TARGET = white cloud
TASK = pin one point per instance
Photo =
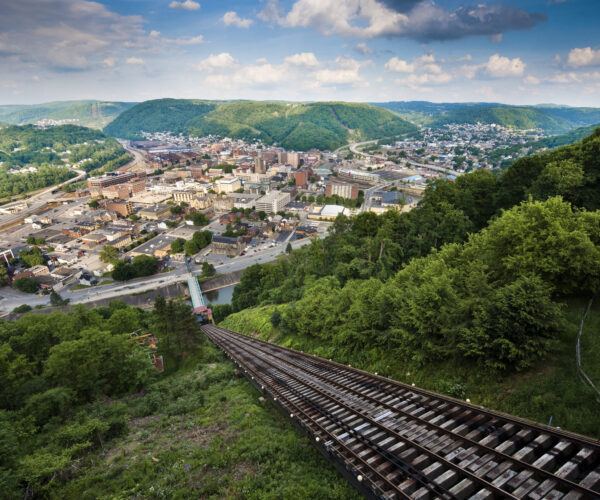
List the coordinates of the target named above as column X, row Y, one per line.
column 136, row 61
column 109, row 62
column 499, row 66
column 224, row 60
column 531, row 80
column 155, row 34
column 186, row 5
column 65, row 35
column 262, row 60
column 306, row 59
column 396, row 65
column 344, row 71
column 583, row 57
column 232, row 19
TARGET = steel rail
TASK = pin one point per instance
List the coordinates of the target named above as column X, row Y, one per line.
column 484, row 449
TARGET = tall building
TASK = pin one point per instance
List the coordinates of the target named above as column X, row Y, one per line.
column 287, row 158
column 260, row 167
column 301, row 178
column 343, row 190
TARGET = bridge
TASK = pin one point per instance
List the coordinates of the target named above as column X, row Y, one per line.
column 394, row 440
column 196, row 296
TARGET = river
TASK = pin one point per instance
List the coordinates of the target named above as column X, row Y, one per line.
column 221, row 296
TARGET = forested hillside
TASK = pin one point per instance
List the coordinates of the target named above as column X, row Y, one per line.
column 475, row 278
column 94, row 114
column 552, row 119
column 291, row 125
column 48, row 150
column 84, row 414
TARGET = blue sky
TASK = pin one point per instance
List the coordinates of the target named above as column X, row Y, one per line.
column 520, row 52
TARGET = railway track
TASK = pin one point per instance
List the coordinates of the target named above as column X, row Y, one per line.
column 396, row 441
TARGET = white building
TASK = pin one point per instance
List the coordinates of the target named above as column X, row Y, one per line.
column 227, row 184
column 273, row 202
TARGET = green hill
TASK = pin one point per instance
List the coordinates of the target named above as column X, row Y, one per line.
column 552, row 119
column 324, row 125
column 94, row 114
column 48, row 150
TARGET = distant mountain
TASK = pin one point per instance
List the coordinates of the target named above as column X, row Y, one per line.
column 93, row 114
column 321, row 125
column 551, row 118
column 565, row 139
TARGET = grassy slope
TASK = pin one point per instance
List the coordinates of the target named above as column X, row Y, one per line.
column 202, row 433
column 292, row 125
column 83, row 111
column 550, row 388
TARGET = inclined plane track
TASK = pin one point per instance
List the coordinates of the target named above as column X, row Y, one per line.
column 397, row 441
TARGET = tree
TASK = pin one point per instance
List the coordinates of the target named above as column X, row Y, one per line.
column 32, row 240
column 97, row 362
column 208, row 269
column 288, row 248
column 202, row 239
column 177, row 245
column 3, row 275
column 31, row 258
column 144, row 265
column 94, row 203
column 191, row 248
column 109, row 254
column 27, row 285
column 123, row 271
column 176, row 209
column 56, row 300
column 176, row 326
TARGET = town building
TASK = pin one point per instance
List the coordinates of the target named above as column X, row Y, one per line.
column 97, row 184
column 122, row 208
column 301, row 178
column 155, row 212
column 224, row 245
column 227, row 184
column 272, row 202
column 341, row 189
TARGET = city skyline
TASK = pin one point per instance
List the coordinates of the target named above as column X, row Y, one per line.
column 539, row 51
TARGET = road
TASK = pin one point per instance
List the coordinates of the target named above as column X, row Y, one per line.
column 36, row 202
column 138, row 160
column 11, row 298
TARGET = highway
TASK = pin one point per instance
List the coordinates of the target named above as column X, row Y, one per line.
column 11, row 298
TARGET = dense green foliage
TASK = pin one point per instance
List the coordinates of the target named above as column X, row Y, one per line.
column 59, row 371
column 45, row 149
column 141, row 265
column 455, row 278
column 553, row 119
column 26, row 285
column 94, row 114
column 291, row 125
column 32, row 257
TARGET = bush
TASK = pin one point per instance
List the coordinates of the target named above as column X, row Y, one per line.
column 27, row 285
column 23, row 308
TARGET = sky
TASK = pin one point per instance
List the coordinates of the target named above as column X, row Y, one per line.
column 516, row 52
